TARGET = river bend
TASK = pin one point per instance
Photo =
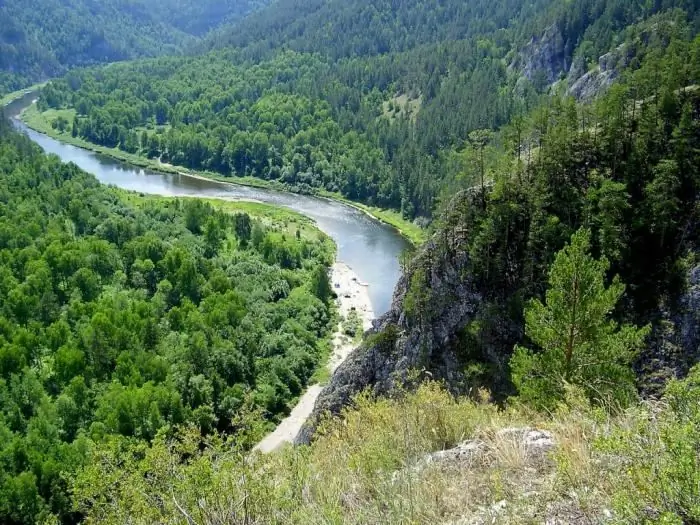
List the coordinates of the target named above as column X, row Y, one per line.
column 369, row 247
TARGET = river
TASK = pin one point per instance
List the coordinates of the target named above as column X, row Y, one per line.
column 369, row 247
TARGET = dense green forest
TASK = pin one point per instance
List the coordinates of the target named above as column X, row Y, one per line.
column 625, row 167
column 42, row 38
column 384, row 27
column 389, row 125
column 123, row 315
column 146, row 344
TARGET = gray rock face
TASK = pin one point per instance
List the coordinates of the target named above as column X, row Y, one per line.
column 533, row 444
column 465, row 452
column 586, row 85
column 544, row 59
column 543, row 56
column 399, row 343
column 529, row 438
column 409, row 338
column 675, row 340
column 689, row 316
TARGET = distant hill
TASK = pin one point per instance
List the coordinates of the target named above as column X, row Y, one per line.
column 41, row 38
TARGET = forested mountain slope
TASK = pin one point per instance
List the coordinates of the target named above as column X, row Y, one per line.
column 487, row 117
column 127, row 316
column 382, row 27
column 42, row 38
column 387, row 125
column 372, row 28
column 625, row 169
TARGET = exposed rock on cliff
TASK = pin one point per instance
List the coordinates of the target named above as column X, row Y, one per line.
column 586, row 85
column 433, row 302
column 543, row 57
column 449, row 325
column 675, row 343
column 546, row 59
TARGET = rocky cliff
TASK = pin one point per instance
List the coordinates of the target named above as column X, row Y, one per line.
column 548, row 62
column 424, row 331
column 674, row 346
column 584, row 84
column 438, row 305
column 544, row 58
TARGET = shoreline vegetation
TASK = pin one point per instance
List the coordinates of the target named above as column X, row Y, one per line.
column 165, row 311
column 352, row 294
column 11, row 97
column 39, row 122
column 290, row 221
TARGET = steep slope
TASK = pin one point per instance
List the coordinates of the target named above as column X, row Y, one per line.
column 41, row 38
column 407, row 84
column 628, row 170
column 373, row 28
column 471, row 130
column 422, row 458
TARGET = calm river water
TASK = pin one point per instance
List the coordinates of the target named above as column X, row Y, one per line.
column 369, row 247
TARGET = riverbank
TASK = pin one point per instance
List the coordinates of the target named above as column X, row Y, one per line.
column 37, row 121
column 11, row 97
column 409, row 230
column 352, row 295
column 281, row 219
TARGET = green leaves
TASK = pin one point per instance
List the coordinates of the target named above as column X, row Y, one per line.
column 578, row 341
column 128, row 316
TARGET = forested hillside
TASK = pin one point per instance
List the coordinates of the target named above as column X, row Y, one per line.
column 386, row 124
column 553, row 151
column 42, row 38
column 382, row 27
column 127, row 316
column 626, row 171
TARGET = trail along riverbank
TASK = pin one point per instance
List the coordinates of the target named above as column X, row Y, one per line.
column 352, row 294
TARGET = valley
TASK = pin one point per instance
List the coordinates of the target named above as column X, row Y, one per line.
column 320, row 261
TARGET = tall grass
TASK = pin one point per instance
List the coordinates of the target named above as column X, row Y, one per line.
column 371, row 466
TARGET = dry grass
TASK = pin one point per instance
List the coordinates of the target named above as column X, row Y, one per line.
column 371, row 467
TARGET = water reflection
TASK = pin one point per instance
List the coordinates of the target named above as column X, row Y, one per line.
column 367, row 246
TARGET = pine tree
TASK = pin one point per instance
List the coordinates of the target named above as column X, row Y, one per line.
column 579, row 343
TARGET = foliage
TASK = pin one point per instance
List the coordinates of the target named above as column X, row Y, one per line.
column 294, row 103
column 298, row 485
column 579, row 343
column 122, row 322
column 126, row 316
column 41, row 38
column 371, row 466
column 612, row 167
column 352, row 325
column 659, row 481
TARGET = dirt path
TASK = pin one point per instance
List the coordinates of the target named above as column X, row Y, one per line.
column 351, row 294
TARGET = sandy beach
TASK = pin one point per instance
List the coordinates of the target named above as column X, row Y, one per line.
column 352, row 293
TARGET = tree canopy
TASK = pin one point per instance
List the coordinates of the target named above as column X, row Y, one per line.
column 387, row 125
column 42, row 38
column 580, row 345
column 127, row 316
